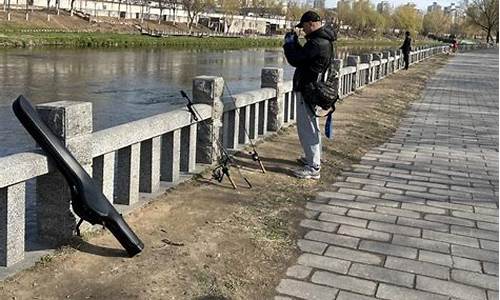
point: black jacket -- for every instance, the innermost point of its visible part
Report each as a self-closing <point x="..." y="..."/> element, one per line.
<point x="406" y="47"/>
<point x="310" y="59"/>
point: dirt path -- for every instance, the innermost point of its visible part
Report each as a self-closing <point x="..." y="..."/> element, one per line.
<point x="206" y="241"/>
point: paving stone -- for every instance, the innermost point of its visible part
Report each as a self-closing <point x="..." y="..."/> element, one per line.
<point x="319" y="225"/>
<point x="378" y="201"/>
<point x="403" y="198"/>
<point x="343" y="220"/>
<point x="434" y="257"/>
<point x="445" y="287"/>
<point x="474" y="253"/>
<point x="326" y="208"/>
<point x="474" y="232"/>
<point x="353" y="255"/>
<point x="490" y="268"/>
<point x="423" y="208"/>
<point x="357" y="192"/>
<point x="492" y="295"/>
<point x="409" y="187"/>
<point x="486" y="211"/>
<point x="449" y="220"/>
<point x="344" y="282"/>
<point x="466" y="264"/>
<point x="428" y="184"/>
<point x="298" y="271"/>
<point x="450" y="238"/>
<point x="368" y="215"/>
<point x="352" y="204"/>
<point x="488" y="245"/>
<point x="363" y="233"/>
<point x="475" y="279"/>
<point x="324" y="263"/>
<point x="448" y="205"/>
<point x="349" y="185"/>
<point x="388" y="249"/>
<point x="427" y="196"/>
<point x="382" y="274"/>
<point x="472" y="216"/>
<point x="417" y="267"/>
<point x="487" y="226"/>
<point x="420" y="243"/>
<point x="306" y="290"/>
<point x="397" y="212"/>
<point x="311" y="246"/>
<point x="382" y="189"/>
<point x="393" y="292"/>
<point x="343" y="295"/>
<point x="333" y="239"/>
<point x="397" y="229"/>
<point x="366" y="181"/>
<point x="436" y="226"/>
<point x="335" y="195"/>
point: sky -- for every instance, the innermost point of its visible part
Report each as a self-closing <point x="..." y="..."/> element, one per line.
<point x="421" y="4"/>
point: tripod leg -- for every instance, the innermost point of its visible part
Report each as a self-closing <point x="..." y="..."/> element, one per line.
<point x="262" y="167"/>
<point x="78" y="233"/>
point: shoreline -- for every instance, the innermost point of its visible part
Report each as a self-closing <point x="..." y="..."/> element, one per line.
<point x="19" y="39"/>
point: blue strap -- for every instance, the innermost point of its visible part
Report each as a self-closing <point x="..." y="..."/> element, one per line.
<point x="329" y="126"/>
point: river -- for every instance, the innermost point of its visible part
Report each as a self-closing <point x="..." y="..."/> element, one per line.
<point x="122" y="84"/>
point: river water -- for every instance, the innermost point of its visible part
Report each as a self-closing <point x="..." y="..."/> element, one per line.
<point x="122" y="84"/>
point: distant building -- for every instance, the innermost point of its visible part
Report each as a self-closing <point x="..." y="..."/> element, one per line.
<point x="384" y="7"/>
<point x="452" y="12"/>
<point x="319" y="4"/>
<point x="434" y="7"/>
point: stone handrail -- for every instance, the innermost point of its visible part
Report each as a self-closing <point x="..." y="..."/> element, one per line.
<point x="135" y="157"/>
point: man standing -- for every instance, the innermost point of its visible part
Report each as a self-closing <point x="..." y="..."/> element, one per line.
<point x="310" y="60"/>
<point x="406" y="47"/>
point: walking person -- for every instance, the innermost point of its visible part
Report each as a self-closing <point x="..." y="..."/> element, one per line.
<point x="406" y="47"/>
<point x="309" y="60"/>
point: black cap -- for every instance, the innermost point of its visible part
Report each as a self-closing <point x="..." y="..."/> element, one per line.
<point x="307" y="17"/>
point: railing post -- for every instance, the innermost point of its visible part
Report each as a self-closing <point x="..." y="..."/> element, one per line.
<point x="353" y="61"/>
<point x="367" y="59"/>
<point x="273" y="78"/>
<point x="71" y="122"/>
<point x="208" y="90"/>
<point x="387" y="56"/>
<point x="337" y="67"/>
<point x="378" y="71"/>
<point x="12" y="228"/>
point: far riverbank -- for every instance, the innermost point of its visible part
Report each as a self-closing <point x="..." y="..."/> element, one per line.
<point x="16" y="39"/>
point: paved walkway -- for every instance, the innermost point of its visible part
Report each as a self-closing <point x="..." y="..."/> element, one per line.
<point x="417" y="218"/>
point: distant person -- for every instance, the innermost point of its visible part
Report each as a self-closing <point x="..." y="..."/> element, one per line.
<point x="454" y="45"/>
<point x="406" y="47"/>
<point x="309" y="60"/>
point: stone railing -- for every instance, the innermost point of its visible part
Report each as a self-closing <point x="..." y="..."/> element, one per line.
<point x="136" y="161"/>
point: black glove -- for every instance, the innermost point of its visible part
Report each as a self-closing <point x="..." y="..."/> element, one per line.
<point x="291" y="37"/>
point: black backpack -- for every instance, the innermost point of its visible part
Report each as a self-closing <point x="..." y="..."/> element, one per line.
<point x="324" y="91"/>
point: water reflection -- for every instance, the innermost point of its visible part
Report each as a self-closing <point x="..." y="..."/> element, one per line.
<point x="122" y="84"/>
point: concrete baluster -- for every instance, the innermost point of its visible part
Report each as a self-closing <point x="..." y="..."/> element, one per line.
<point x="103" y="170"/>
<point x="188" y="148"/>
<point x="149" y="180"/>
<point x="71" y="122"/>
<point x="367" y="59"/>
<point x="244" y="125"/>
<point x="273" y="78"/>
<point x="254" y="121"/>
<point x="353" y="61"/>
<point x="127" y="175"/>
<point x="170" y="156"/>
<point x="12" y="228"/>
<point x="208" y="90"/>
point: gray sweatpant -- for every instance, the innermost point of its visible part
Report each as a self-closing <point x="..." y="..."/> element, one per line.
<point x="309" y="133"/>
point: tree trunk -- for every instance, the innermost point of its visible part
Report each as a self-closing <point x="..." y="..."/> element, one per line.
<point x="488" y="36"/>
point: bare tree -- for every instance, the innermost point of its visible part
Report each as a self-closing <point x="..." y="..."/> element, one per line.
<point x="230" y="9"/>
<point x="483" y="14"/>
<point x="160" y="4"/>
<point x="194" y="8"/>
